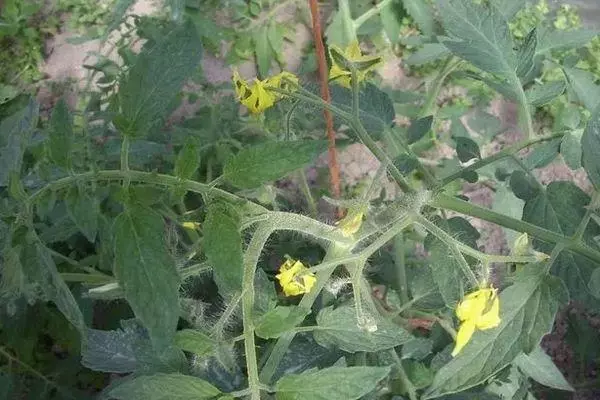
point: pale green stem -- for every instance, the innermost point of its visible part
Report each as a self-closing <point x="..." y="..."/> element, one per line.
<point x="400" y="264"/>
<point x="408" y="385"/>
<point x="305" y="188"/>
<point x="125" y="161"/>
<point x="373" y="11"/>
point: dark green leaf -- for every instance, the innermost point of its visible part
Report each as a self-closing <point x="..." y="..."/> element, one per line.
<point x="15" y="132"/>
<point x="391" y="19"/>
<point x="279" y="320"/>
<point x="188" y="160"/>
<point x="590" y="143"/>
<point x="61" y="135"/>
<point x="147" y="92"/>
<point x="223" y="247"/>
<point x="525" y="55"/>
<point x="265" y="296"/>
<point x="335" y="383"/>
<point x="269" y="161"/>
<point x="146" y="272"/>
<point x="428" y="53"/>
<point x="523" y="186"/>
<point x="466" y="149"/>
<point x="561" y="39"/>
<point x="594" y="283"/>
<point x="417" y="349"/>
<point x="538" y="95"/>
<point x="479" y="35"/>
<point x="339" y="327"/>
<point x="262" y="49"/>
<point x="165" y="387"/>
<point x="418" y="128"/>
<point x="39" y="268"/>
<point x="583" y="85"/>
<point x="83" y="210"/>
<point x="571" y="150"/>
<point x="543" y="154"/>
<point x="196" y="342"/>
<point x="418" y="373"/>
<point x="527" y="309"/>
<point x="119" y="10"/>
<point x="539" y="366"/>
<point x="422" y="13"/>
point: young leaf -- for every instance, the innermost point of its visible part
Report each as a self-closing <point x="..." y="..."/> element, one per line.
<point x="527" y="309"/>
<point x="223" y="247"/>
<point x="538" y="95"/>
<point x="571" y="150"/>
<point x="339" y="327"/>
<point x="540" y="367"/>
<point x="418" y="128"/>
<point x="479" y="35"/>
<point x="61" y="135"/>
<point x="148" y="90"/>
<point x="422" y="13"/>
<point x="583" y="85"/>
<point x="279" y="320"/>
<point x="194" y="341"/>
<point x="15" y="132"/>
<point x="165" y="387"/>
<point x="590" y="143"/>
<point x="466" y="149"/>
<point x="188" y="160"/>
<point x="83" y="209"/>
<point x="146" y="272"/>
<point x="269" y="161"/>
<point x="334" y="383"/>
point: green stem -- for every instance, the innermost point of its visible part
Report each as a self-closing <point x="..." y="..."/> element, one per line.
<point x="373" y="11"/>
<point x="406" y="382"/>
<point x="430" y="102"/>
<point x="578" y="235"/>
<point x="525" y="108"/>
<point x="125" y="161"/>
<point x="305" y="188"/>
<point x="259" y="239"/>
<point x="400" y="263"/>
<point x="506" y="152"/>
<point x="473" y="210"/>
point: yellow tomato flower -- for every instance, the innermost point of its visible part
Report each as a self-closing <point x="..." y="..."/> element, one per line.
<point x="364" y="64"/>
<point x="351" y="223"/>
<point x="292" y="279"/>
<point x="478" y="310"/>
<point x="257" y="97"/>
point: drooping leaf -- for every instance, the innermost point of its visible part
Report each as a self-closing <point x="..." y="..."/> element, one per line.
<point x="223" y="247"/>
<point x="561" y="39"/>
<point x="418" y="128"/>
<point x="165" y="387"/>
<point x="466" y="149"/>
<point x="334" y="383"/>
<point x="538" y="95"/>
<point x="61" y="135"/>
<point x="146" y="272"/>
<point x="480" y="35"/>
<point x="83" y="209"/>
<point x="269" y="161"/>
<point x="148" y="90"/>
<point x="15" y="133"/>
<point x="279" y="320"/>
<point x="527" y="310"/>
<point x="590" y="143"/>
<point x="540" y="367"/>
<point x="571" y="150"/>
<point x="422" y="13"/>
<point x="195" y="342"/>
<point x="339" y="327"/>
<point x="582" y="83"/>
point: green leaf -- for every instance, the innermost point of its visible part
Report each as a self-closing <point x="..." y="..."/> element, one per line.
<point x="279" y="320"/>
<point x="525" y="55"/>
<point x="428" y="53"/>
<point x="561" y="39"/>
<point x="39" y="268"/>
<point x="339" y="327"/>
<point x="223" y="248"/>
<point x="543" y="154"/>
<point x="417" y="349"/>
<point x="594" y="283"/>
<point x="571" y="150"/>
<point x="582" y="83"/>
<point x="146" y="272"/>
<point x="15" y="133"/>
<point x="480" y="35"/>
<point x="188" y="160"/>
<point x="83" y="209"/>
<point x="7" y="93"/>
<point x="262" y="50"/>
<point x="466" y="149"/>
<point x="194" y="341"/>
<point x="484" y="123"/>
<point x="538" y="95"/>
<point x="418" y="128"/>
<point x="391" y="19"/>
<point x="119" y="10"/>
<point x="147" y="92"/>
<point x="422" y="13"/>
<point x="165" y="387"/>
<point x="334" y="383"/>
<point x="341" y="31"/>
<point x="590" y="143"/>
<point x="539" y="366"/>
<point x="61" y="135"/>
<point x="508" y="204"/>
<point x="509" y="8"/>
<point x="523" y="185"/>
<point x="418" y="373"/>
<point x="527" y="309"/>
<point x="269" y="161"/>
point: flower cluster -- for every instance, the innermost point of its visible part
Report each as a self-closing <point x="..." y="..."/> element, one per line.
<point x="259" y="96"/>
<point x="478" y="310"/>
<point x="342" y="74"/>
<point x="294" y="279"/>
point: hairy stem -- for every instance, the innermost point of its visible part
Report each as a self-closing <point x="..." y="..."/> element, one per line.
<point x="400" y="264"/>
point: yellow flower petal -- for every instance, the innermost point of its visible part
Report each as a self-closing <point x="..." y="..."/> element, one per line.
<point x="465" y="332"/>
<point x="242" y="90"/>
<point x="293" y="279"/>
<point x="352" y="53"/>
<point x="260" y="99"/>
<point x="284" y="81"/>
